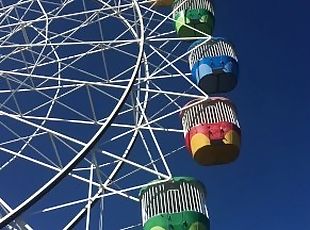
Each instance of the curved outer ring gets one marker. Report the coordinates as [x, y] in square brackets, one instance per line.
[80, 156]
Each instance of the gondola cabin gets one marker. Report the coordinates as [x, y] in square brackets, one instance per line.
[193, 17]
[214, 65]
[174, 205]
[211, 130]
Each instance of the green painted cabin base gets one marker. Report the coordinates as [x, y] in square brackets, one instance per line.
[200, 19]
[188, 220]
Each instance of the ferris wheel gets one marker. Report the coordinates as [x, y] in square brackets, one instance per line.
[96, 99]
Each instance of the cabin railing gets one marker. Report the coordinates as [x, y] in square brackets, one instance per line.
[215, 49]
[203, 113]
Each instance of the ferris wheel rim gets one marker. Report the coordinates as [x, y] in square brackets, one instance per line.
[142, 126]
[85, 150]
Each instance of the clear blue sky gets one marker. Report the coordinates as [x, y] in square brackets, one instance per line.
[268, 186]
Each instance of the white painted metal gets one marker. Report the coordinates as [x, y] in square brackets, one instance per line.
[181, 197]
[143, 86]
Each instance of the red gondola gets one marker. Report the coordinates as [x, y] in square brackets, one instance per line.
[212, 132]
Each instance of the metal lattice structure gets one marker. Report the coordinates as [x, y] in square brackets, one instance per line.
[89, 95]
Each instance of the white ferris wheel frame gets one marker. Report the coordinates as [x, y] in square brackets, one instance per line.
[67, 169]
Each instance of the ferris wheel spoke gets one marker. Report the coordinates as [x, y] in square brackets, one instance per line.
[20, 3]
[27, 144]
[46, 78]
[56, 99]
[48, 166]
[65, 205]
[18, 60]
[70, 16]
[169, 54]
[114, 79]
[101, 194]
[77, 83]
[166, 36]
[171, 64]
[16, 224]
[87, 121]
[76, 57]
[138, 226]
[27, 158]
[5, 13]
[108, 94]
[64, 60]
[172, 93]
[88, 200]
[63, 136]
[22, 138]
[165, 17]
[94, 199]
[157, 67]
[148, 151]
[20, 83]
[74, 43]
[146, 124]
[67, 34]
[79, 169]
[120, 114]
[133, 128]
[56, 150]
[146, 165]
[91, 200]
[162, 39]
[14, 97]
[103, 56]
[165, 93]
[90, 99]
[146, 128]
[64, 120]
[157, 77]
[119, 164]
[155, 142]
[153, 121]
[165, 59]
[171, 100]
[138, 127]
[150, 18]
[65, 37]
[91, 174]
[46, 88]
[133, 164]
[146, 2]
[51, 101]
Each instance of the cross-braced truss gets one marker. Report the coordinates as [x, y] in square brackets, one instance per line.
[90, 93]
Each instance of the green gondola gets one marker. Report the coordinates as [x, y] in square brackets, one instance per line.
[177, 204]
[193, 18]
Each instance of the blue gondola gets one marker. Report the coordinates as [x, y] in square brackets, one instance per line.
[214, 65]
